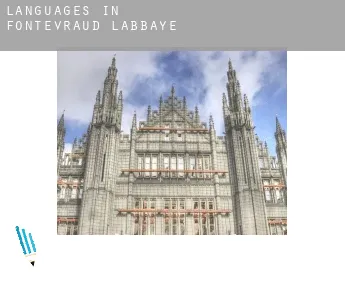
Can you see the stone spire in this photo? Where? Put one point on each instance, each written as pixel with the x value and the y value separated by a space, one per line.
pixel 61 131
pixel 134 120
pixel 113 62
pixel 250 206
pixel 197 117
pixel 278 126
pixel 266 148
pixel 75 142
pixel 224 100
pixel 103 147
pixel 246 103
pixel 172 91
pixel 98 98
pixel 281 150
pixel 234 90
pixel 61 124
pixel 211 123
pixel 110 87
pixel 149 113
pixel 230 65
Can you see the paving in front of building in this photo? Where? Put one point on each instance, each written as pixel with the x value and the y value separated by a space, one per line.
pixel 172 175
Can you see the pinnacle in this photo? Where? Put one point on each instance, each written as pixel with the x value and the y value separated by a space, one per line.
pixel 211 121
pixel 62 120
pixel 113 61
pixel 278 126
pixel 134 121
pixel 230 65
pixel 98 97
pixel 246 102
pixel 172 90
pixel 224 98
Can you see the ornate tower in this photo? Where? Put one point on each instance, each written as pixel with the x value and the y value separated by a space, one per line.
pixel 281 150
pixel 245 179
pixel 61 131
pixel 102 160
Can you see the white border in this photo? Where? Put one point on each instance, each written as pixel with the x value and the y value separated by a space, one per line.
pixel 28 142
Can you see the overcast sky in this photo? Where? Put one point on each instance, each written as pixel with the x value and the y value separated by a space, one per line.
pixel 200 76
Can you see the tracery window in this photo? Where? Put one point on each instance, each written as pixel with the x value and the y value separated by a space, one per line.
pixel 204 223
pixel 144 223
pixel 74 193
pixel 268 195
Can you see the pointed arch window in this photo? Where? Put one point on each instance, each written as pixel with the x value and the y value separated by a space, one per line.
pixel 166 165
pixel 207 165
pixel 74 193
pixel 278 196
pixel 63 193
pixel 200 166
pixel 154 166
pixel 192 165
pixel 268 195
pixel 147 166
pixel 140 164
pixel 173 166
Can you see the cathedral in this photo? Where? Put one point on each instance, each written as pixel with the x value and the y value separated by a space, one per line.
pixel 172 175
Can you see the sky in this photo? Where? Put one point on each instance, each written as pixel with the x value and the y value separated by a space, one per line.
pixel 199 75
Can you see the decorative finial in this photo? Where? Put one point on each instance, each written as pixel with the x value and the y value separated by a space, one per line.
pixel 211 121
pixel 230 65
pixel 98 97
pixel 172 90
pixel 113 61
pixel 278 126
pixel 149 112
pixel 134 121
pixel 197 118
pixel 61 123
pixel 246 102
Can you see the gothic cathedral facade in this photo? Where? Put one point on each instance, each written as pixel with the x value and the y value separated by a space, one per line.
pixel 172 175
